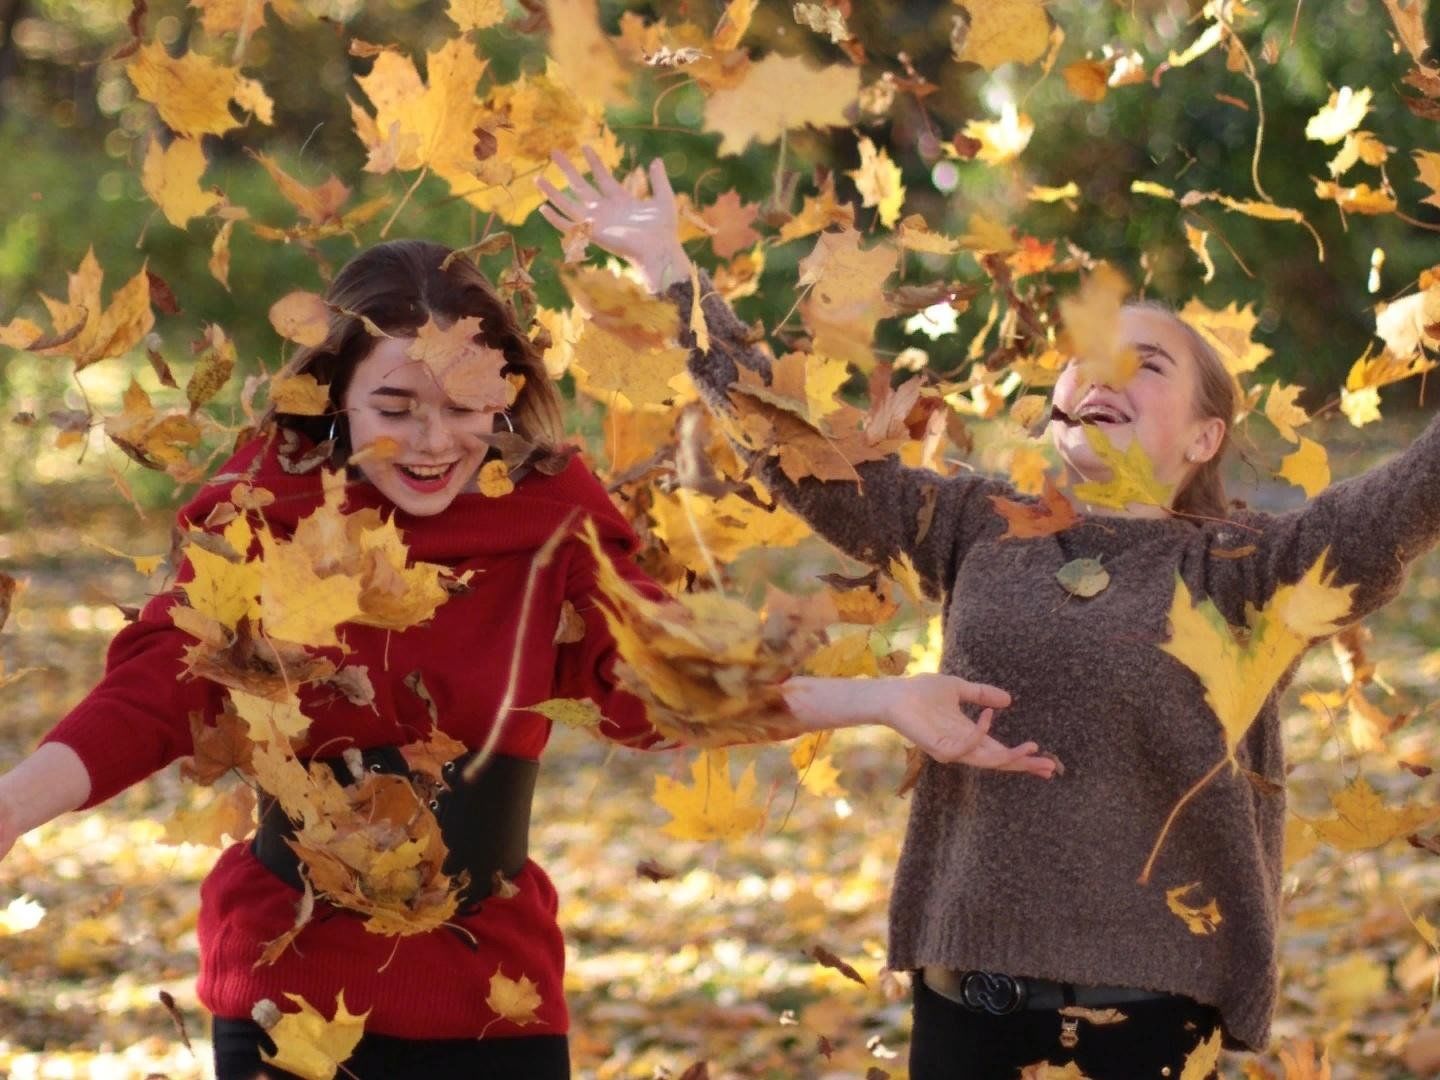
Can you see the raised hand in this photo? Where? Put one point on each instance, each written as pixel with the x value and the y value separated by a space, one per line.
pixel 642 230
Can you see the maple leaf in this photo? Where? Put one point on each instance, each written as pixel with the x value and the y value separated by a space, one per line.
pixel 270 721
pixel 297 604
pixel 1237 673
pixel 1229 330
pixel 470 372
pixel 153 438
pixel 475 14
pixel 1132 476
pixel 214 368
pixel 1360 199
pixel 819 212
pixel 513 999
pixel 731 220
pixel 1340 116
pixel 1198 920
pixel 776 94
pixel 604 361
pixel 815 770
pixel 1427 162
pixel 583 56
pixel 319 203
pixel 878 181
pixel 1281 410
pixel 1363 822
pixel 218 747
pixel 311 1046
pixel 231 814
pixel 1002 31
pixel 192 93
pixel 709 808
pixel 171 177
pixel 1404 325
pixel 697 529
pixel 1307 467
pixel 847 299
pixel 299 395
pixel 1092 331
pixel 89 331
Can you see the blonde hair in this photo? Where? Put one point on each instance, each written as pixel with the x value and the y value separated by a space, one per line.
pixel 396 287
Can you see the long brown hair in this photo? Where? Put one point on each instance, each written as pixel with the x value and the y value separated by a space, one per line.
pixel 396 287
pixel 1217 395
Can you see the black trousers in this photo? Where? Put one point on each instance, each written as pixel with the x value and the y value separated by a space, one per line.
pixel 949 1042
pixel 383 1057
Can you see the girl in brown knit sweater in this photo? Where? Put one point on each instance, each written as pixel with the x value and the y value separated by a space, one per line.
pixel 1016 902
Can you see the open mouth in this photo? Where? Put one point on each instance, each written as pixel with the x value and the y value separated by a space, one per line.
pixel 426 478
pixel 1090 413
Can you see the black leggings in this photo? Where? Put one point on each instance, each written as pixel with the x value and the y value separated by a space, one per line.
pixel 949 1042
pixel 383 1057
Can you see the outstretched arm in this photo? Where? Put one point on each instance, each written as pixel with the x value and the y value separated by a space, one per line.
pixel 43 786
pixel 887 510
pixel 1371 527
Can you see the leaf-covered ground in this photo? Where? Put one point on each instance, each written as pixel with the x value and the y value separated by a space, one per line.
pixel 714 962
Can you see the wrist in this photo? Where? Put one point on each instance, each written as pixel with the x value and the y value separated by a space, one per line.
pixel 666 268
pixel 822 703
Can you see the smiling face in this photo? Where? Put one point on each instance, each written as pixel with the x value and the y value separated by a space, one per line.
pixel 391 395
pixel 1157 408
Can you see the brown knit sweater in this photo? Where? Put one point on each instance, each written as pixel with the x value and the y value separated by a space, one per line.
pixel 1003 873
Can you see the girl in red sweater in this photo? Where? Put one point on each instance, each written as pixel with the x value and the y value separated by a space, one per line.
pixel 425 993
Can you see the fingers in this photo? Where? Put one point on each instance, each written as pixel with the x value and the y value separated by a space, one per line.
pixel 982 694
pixel 578 183
pixel 660 182
pixel 567 205
pixel 603 177
pixel 560 222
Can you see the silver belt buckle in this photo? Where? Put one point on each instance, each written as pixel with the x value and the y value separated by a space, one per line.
pixel 992 992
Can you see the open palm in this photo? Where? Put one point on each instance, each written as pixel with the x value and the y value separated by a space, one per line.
pixel 641 229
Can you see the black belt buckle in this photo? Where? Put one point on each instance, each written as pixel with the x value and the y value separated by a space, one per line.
pixel 992 992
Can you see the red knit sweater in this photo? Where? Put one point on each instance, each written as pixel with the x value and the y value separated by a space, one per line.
pixel 429 985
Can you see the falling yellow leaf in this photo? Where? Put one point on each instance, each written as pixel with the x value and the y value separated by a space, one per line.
pixel 469 371
pixel 230 814
pixel 494 479
pixel 1088 80
pixel 268 720
pixel 297 604
pixel 1340 115
pixel 1308 467
pixel 777 94
pixel 309 1045
pixel 1353 984
pixel 302 317
pixel 171 177
pixel 514 999
pixel 1002 140
pixel 192 93
pixel 1005 31
pixel 1427 162
pixel 1202 920
pixel 904 572
pixel 159 438
pixel 709 808
pixel 1281 410
pixel 1132 476
pixel 581 713
pixel 1363 822
pixel 583 56
pixel 1237 673
pixel 1360 199
pixel 1230 330
pixel 1091 318
pixel 476 14
pixel 1198 239
pixel 846 657
pixel 815 769
pixel 103 331
pixel 878 181
pixel 299 395
pixel 1201 1063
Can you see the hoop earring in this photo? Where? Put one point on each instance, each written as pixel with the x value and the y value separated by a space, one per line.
pixel 508 423
pixel 334 421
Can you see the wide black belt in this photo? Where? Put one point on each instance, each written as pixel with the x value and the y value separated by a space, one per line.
pixel 485 822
